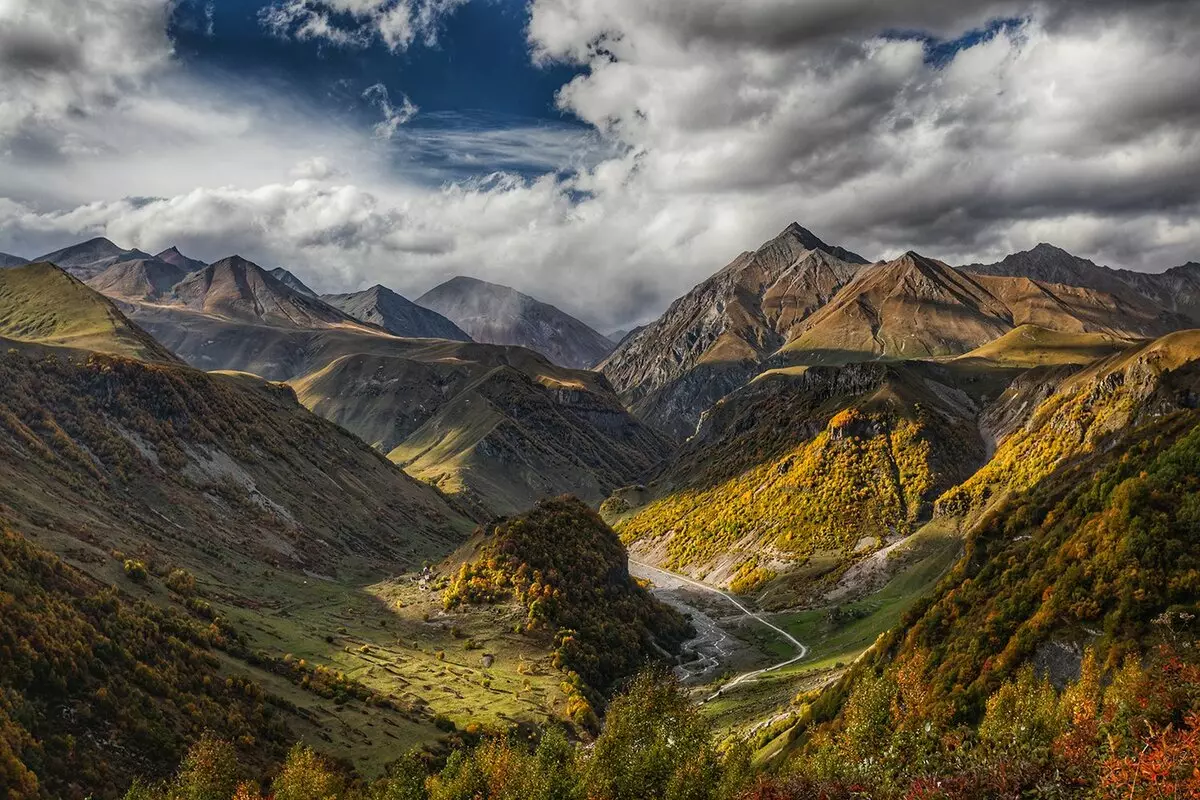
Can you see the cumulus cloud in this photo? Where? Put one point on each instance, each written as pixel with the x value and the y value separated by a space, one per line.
pixel 710 125
pixel 358 23
pixel 61 58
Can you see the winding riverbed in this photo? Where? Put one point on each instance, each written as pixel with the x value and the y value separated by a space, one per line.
pixel 713 645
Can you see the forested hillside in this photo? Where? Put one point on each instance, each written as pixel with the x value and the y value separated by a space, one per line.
pixel 568 572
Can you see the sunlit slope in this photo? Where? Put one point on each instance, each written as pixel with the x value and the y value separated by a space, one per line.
pixel 802 465
pixel 1034 346
pixel 41 303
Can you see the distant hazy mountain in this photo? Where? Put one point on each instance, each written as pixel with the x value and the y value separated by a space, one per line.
pixel 172 256
pixel 140 279
pixel 88 259
pixel 497 314
pixel 7 260
pixel 288 279
pixel 381 306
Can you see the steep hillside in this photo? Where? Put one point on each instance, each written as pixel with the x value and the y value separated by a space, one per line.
pixel 806 466
pixel 96 688
pixel 88 259
pixel 172 256
pixel 1176 290
pixel 505 440
pixel 1083 413
pixel 291 281
pixel 569 574
pixel 236 289
pixel 137 280
pixel 912 307
pixel 282 523
pixel 916 307
pixel 1033 346
pixel 496 314
pixel 165 449
pixel 727 324
pixel 381 306
pixel 1077 528
pixel 41 303
pixel 570 431
pixel 8 260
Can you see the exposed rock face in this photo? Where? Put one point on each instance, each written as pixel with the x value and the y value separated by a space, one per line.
pixel 88 259
pixel 396 314
pixel 495 314
pixel 1177 290
pixel 172 256
pixel 291 281
pixel 734 319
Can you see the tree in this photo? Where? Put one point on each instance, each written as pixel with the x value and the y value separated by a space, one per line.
pixel 655 744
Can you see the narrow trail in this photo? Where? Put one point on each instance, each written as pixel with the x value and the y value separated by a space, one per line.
pixel 801 648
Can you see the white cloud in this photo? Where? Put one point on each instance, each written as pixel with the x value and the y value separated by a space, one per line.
pixel 715 124
pixel 393 116
pixel 357 23
pixel 62 58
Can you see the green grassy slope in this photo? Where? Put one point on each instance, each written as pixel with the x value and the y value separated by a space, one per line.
pixel 299 535
pixel 41 303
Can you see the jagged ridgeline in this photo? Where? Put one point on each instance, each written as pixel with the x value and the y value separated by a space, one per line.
pixel 568 574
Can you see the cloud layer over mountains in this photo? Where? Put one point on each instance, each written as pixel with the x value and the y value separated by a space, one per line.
pixel 962 129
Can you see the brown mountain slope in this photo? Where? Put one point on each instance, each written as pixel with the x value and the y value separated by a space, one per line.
pixel 172 256
pixel 742 313
pixel 505 441
pixel 237 289
pixel 913 307
pixel 88 259
pixel 1176 290
pixel 916 307
pixel 41 303
pixel 713 339
pixel 384 388
pixel 140 279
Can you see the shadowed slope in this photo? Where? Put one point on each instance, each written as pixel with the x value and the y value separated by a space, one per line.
pixel 496 314
pixel 88 259
pixel 140 279
pixel 381 306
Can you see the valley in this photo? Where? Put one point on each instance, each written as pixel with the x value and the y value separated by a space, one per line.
pixel 394 538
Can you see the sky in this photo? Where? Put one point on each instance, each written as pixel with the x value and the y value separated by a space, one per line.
pixel 603 155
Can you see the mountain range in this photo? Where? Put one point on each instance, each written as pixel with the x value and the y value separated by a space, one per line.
pixel 797 301
pixel 965 494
